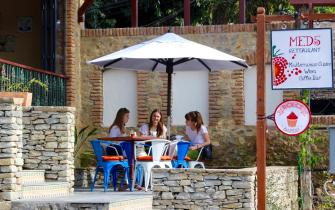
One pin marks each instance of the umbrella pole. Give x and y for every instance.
(169, 70)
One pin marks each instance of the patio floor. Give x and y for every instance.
(84, 199)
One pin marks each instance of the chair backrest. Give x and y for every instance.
(126, 147)
(98, 151)
(173, 148)
(183, 147)
(157, 148)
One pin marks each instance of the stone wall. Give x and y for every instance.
(10, 152)
(223, 188)
(48, 141)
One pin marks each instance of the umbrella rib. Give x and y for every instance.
(112, 62)
(154, 67)
(240, 64)
(203, 63)
(161, 61)
(183, 60)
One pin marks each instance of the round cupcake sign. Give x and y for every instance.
(292, 117)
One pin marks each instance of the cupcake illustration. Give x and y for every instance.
(292, 119)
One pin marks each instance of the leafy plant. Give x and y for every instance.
(81, 137)
(307, 158)
(193, 154)
(9, 85)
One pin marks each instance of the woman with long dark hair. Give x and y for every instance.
(156, 126)
(118, 128)
(196, 131)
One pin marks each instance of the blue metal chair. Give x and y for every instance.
(108, 164)
(182, 147)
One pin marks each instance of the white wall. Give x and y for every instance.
(189, 93)
(273, 97)
(119, 90)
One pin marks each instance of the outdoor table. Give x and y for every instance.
(131, 140)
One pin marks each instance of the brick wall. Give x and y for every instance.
(233, 142)
(227, 38)
(71, 44)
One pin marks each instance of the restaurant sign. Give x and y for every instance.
(302, 59)
(292, 117)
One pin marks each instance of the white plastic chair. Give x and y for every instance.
(197, 163)
(157, 149)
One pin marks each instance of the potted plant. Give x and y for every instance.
(83, 158)
(19, 89)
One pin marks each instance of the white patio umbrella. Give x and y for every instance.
(170, 53)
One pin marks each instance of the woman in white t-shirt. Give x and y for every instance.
(196, 131)
(155, 127)
(118, 128)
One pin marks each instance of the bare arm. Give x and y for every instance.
(207, 142)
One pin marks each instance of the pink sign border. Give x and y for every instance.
(309, 121)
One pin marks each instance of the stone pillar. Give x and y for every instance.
(48, 141)
(10, 151)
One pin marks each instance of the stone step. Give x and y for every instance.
(30, 177)
(45, 190)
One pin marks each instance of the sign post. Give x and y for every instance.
(261, 120)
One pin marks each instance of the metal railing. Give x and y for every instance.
(18, 73)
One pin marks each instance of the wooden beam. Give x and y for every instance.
(304, 16)
(134, 13)
(314, 16)
(242, 11)
(261, 120)
(314, 2)
(187, 12)
(82, 10)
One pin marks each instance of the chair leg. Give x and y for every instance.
(134, 177)
(114, 177)
(128, 178)
(106, 179)
(122, 179)
(147, 179)
(95, 178)
(142, 176)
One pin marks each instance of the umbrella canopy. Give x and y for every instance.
(158, 53)
(170, 53)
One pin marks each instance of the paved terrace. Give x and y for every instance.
(84, 199)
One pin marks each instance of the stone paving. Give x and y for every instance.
(83, 199)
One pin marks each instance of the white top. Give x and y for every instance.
(196, 137)
(144, 129)
(115, 132)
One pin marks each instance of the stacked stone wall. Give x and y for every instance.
(10, 152)
(48, 141)
(223, 188)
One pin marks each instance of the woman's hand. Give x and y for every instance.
(193, 147)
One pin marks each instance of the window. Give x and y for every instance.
(322, 106)
(189, 93)
(119, 90)
(273, 97)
